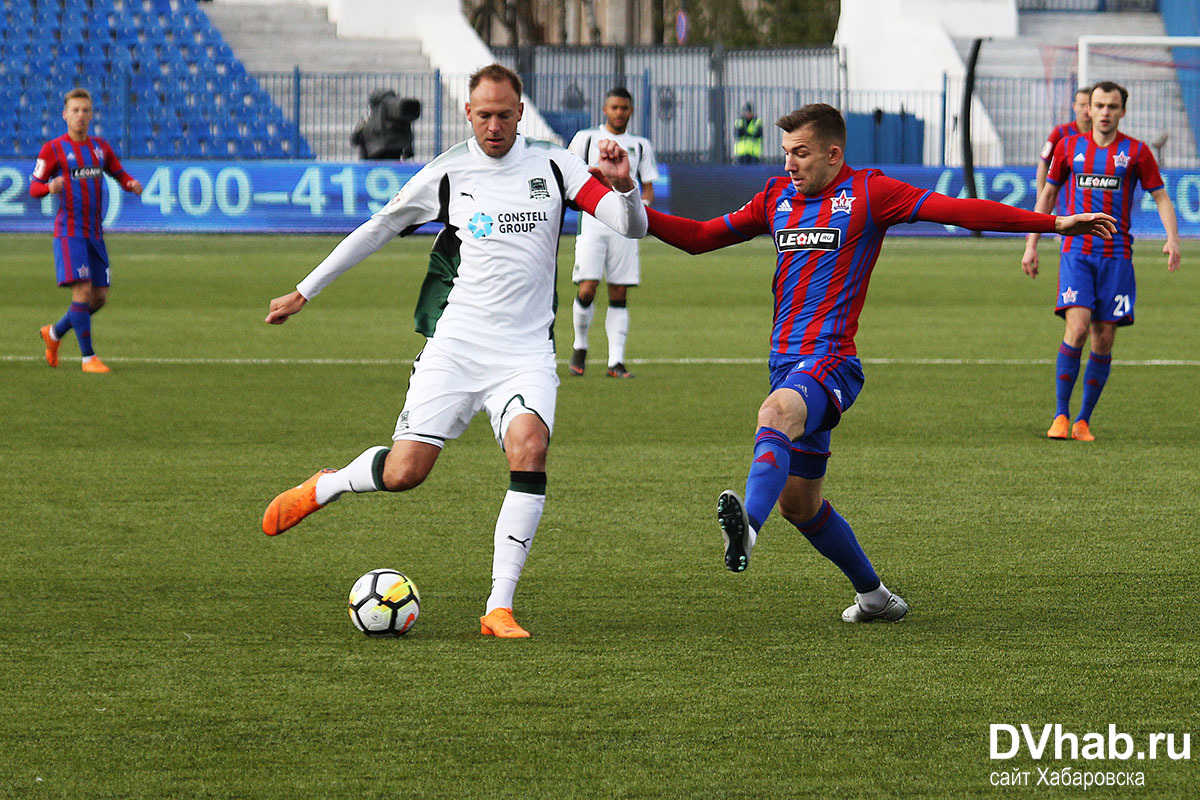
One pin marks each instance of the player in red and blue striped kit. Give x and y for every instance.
(1096, 286)
(73, 166)
(828, 222)
(1081, 124)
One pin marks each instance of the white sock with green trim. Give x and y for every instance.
(363, 474)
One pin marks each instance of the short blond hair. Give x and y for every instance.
(78, 93)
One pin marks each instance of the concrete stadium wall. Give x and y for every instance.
(888, 44)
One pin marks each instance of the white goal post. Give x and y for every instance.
(1086, 42)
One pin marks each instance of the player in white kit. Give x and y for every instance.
(600, 252)
(487, 308)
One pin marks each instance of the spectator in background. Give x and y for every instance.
(747, 133)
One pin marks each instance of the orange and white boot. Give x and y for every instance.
(51, 346)
(293, 505)
(1060, 428)
(94, 366)
(499, 622)
(1081, 431)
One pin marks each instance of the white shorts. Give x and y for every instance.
(610, 257)
(452, 381)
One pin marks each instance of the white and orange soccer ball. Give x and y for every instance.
(384, 602)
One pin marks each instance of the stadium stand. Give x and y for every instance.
(164, 81)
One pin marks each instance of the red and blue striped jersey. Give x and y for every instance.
(82, 166)
(1058, 134)
(827, 246)
(1102, 179)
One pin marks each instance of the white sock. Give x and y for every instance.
(53, 335)
(875, 600)
(616, 324)
(515, 528)
(583, 321)
(357, 476)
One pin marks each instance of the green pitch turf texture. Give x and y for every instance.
(154, 644)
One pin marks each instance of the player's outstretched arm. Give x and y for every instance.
(693, 236)
(283, 307)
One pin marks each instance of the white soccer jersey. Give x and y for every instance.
(642, 165)
(492, 273)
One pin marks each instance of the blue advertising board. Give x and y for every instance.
(233, 197)
(335, 197)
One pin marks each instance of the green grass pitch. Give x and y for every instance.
(154, 644)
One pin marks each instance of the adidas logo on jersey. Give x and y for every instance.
(1079, 159)
(784, 207)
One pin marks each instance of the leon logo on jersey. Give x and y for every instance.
(1103, 183)
(83, 173)
(787, 239)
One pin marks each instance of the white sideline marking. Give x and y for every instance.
(383, 362)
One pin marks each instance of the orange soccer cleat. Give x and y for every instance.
(1081, 431)
(1060, 428)
(500, 623)
(288, 508)
(95, 366)
(51, 346)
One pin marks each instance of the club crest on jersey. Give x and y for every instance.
(1121, 160)
(480, 225)
(1103, 183)
(538, 190)
(841, 203)
(807, 239)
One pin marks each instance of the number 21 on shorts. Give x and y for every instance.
(1121, 305)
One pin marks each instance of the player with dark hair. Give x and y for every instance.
(487, 309)
(1081, 124)
(600, 252)
(1096, 284)
(73, 166)
(828, 222)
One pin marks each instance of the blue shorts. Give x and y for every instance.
(1105, 286)
(829, 384)
(78, 259)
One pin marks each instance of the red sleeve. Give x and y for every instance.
(589, 195)
(1060, 167)
(982, 215)
(694, 237)
(894, 201)
(45, 169)
(1148, 173)
(112, 165)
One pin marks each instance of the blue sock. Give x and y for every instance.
(1066, 369)
(1094, 378)
(834, 539)
(62, 326)
(81, 321)
(768, 474)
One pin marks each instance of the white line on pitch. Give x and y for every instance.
(383, 362)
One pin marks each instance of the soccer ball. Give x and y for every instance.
(384, 602)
